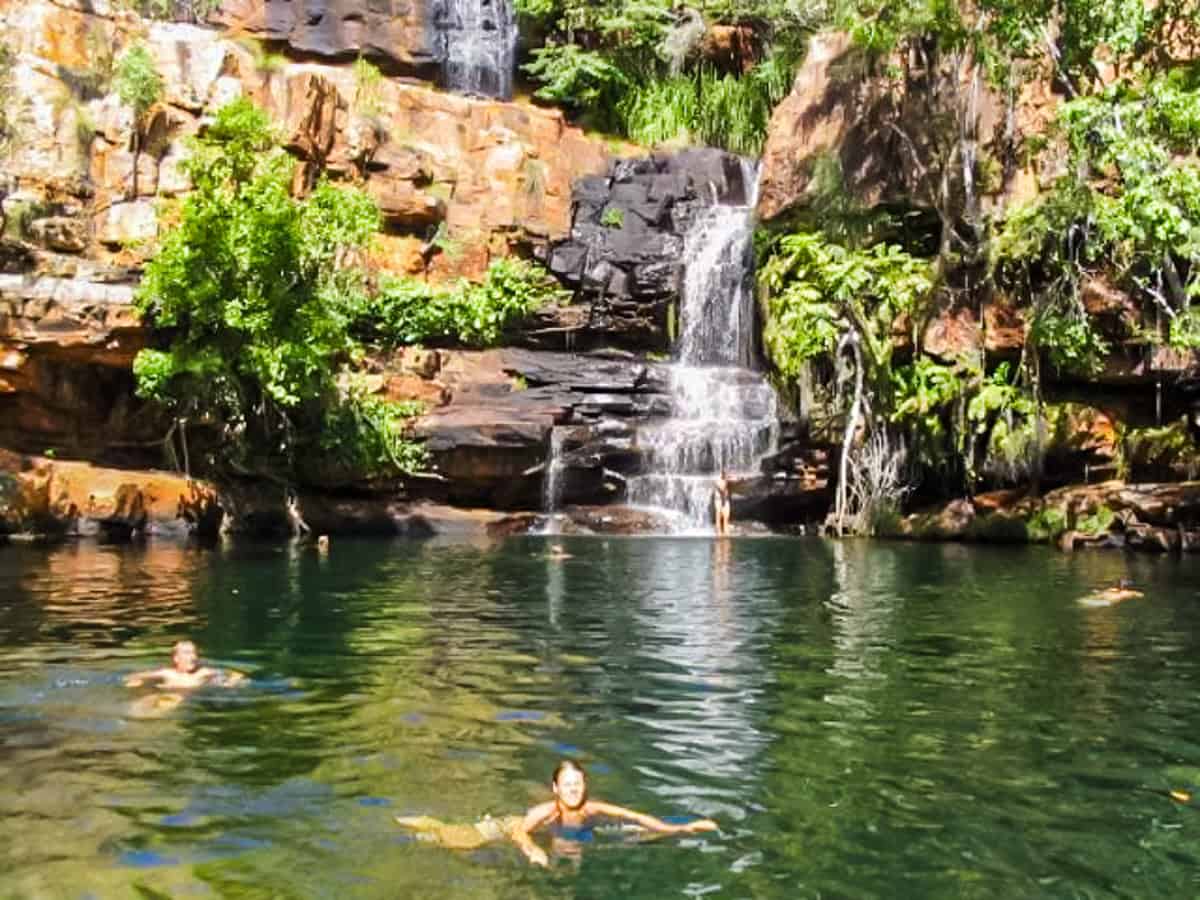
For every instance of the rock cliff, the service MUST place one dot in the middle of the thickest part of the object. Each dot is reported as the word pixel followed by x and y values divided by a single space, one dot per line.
pixel 81 210
pixel 459 181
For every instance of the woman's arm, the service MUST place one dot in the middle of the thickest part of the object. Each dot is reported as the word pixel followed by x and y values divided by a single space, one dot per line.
pixel 598 807
pixel 534 819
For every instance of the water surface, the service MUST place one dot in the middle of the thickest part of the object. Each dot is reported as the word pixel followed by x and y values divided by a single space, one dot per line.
pixel 864 720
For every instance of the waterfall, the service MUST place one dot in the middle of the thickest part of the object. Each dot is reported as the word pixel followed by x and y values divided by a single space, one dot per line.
pixel 552 479
pixel 480 47
pixel 723 412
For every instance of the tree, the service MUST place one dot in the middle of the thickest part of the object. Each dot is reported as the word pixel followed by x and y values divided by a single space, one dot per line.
pixel 827 299
pixel 139 85
pixel 254 293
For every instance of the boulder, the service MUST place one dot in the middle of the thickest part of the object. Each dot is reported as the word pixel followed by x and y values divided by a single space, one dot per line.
pixel 66 234
pixel 126 224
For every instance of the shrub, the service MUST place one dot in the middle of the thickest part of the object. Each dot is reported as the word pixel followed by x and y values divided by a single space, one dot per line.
pixel 256 305
pixel 137 81
pixel 408 311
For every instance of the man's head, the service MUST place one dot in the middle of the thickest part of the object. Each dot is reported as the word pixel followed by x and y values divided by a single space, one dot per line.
pixel 184 658
pixel 570 784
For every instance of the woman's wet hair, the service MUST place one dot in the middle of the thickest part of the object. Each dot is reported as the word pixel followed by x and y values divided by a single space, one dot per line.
pixel 563 766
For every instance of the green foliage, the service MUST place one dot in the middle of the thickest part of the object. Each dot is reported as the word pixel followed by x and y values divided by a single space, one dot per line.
pixel 365 434
pixel 257 306
pixel 577 78
pixel 1130 205
pixel 368 88
pixel 137 81
pixel 613 217
pixel 1097 522
pixel 1069 337
pixel 659 111
pixel 817 290
pixel 186 10
pixel 8 101
pixel 536 9
pixel 627 66
pixel 1046 525
pixel 1005 430
pixel 1170 446
pixel 705 107
pixel 1006 35
pixel 248 276
pixel 408 311
pixel 926 395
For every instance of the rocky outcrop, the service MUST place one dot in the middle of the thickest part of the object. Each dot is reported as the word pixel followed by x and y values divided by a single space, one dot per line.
pixel 886 129
pixel 399 35
pixel 1151 517
pixel 66 347
pixel 82 210
pixel 487 177
pixel 490 442
pixel 55 498
pixel 625 253
pixel 512 415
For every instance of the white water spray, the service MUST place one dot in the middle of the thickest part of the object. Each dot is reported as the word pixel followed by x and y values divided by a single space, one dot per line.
pixel 724 412
pixel 481 45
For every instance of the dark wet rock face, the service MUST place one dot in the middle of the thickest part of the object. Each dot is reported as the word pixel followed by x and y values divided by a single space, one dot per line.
pixel 518 418
pixel 624 255
pixel 490 443
pixel 398 35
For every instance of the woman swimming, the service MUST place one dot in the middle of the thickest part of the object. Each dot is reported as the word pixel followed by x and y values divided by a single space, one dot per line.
pixel 572 809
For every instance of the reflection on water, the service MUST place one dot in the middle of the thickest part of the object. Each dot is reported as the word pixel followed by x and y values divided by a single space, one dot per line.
pixel 864 720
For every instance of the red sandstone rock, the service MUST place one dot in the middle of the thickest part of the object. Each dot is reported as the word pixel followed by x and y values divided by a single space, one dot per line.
pixel 880 129
pixel 54 496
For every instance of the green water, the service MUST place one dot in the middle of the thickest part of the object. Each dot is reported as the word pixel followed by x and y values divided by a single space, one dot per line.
pixel 863 720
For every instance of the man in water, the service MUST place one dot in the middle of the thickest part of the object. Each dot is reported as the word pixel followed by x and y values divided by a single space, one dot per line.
pixel 721 503
pixel 1121 591
pixel 185 672
pixel 570 809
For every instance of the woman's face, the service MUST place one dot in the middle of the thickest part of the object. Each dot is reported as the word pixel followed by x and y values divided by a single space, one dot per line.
pixel 571 788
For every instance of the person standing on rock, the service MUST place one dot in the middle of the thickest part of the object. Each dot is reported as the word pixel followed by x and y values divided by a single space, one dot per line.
pixel 721 503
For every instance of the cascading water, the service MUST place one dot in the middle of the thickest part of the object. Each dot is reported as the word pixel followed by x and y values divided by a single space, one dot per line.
pixel 480 46
pixel 552 480
pixel 724 413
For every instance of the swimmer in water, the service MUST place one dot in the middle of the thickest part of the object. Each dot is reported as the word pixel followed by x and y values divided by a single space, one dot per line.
pixel 557 551
pixel 1123 590
pixel 185 672
pixel 571 808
